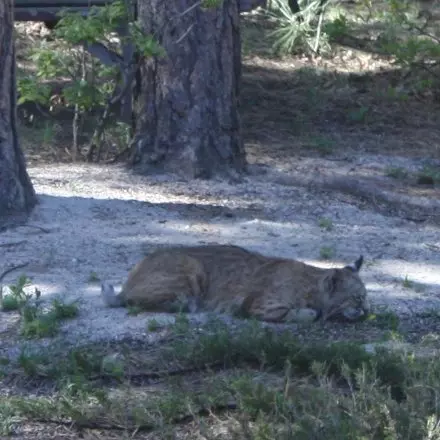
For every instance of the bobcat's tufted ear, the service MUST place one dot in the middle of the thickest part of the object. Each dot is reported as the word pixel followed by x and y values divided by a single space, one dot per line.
pixel 355 267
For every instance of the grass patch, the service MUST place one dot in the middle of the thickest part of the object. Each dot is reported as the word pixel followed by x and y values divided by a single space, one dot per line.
pixel 397 173
pixel 385 320
pixel 325 223
pixel 267 385
pixel 407 283
pixel 429 175
pixel 35 322
pixel 134 310
pixel 326 253
pixel 93 277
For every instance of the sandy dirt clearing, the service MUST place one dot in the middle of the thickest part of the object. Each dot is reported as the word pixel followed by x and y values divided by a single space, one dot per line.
pixel 103 219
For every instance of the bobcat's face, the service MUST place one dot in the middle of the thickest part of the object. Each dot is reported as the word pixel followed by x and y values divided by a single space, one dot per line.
pixel 346 294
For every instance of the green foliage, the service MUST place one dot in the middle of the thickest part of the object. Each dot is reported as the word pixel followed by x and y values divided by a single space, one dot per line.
pixel 208 4
pixel 272 385
pixel 35 322
pixel 61 310
pixel 359 114
pixel 134 310
pixel 10 302
pixel 408 34
pixel 153 325
pixel 397 173
pixel 326 252
pixel 407 283
pixel 31 91
pixel 93 277
pixel 40 324
pixel 181 324
pixel 17 298
pixel 430 173
pixel 301 31
pixel 386 320
pixel 337 28
pixel 325 223
pixel 90 83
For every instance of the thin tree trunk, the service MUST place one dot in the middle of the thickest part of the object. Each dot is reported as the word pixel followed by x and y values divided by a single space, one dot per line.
pixel 16 191
pixel 189 121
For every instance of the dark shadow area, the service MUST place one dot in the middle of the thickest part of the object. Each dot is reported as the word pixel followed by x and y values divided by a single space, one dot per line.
pixel 281 106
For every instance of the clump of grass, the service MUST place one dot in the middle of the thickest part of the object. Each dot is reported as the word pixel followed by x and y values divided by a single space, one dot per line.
pixel 407 283
pixel 385 320
pixel 397 173
pixel 280 387
pixel 358 115
pixel 325 223
pixel 153 325
pixel 326 252
pixel 134 310
pixel 322 145
pixel 93 277
pixel 181 324
pixel 18 297
pixel 431 174
pixel 36 323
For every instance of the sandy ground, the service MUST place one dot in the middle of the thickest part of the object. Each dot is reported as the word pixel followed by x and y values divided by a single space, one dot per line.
pixel 102 219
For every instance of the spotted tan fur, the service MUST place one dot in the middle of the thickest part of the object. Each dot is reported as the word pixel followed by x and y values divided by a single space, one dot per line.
pixel 230 279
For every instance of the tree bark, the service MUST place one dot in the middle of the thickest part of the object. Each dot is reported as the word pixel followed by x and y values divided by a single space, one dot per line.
pixel 189 118
pixel 16 191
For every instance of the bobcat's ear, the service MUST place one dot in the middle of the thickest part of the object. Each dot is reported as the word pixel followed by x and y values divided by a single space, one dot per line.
pixel 356 266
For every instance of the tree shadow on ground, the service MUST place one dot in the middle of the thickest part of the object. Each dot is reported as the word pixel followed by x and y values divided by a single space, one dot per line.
pixel 349 110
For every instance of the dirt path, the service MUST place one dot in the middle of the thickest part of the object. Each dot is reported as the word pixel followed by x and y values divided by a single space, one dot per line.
pixel 102 219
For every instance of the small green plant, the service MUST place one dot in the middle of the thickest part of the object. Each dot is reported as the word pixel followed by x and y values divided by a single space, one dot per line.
pixel 397 173
pixel 17 298
pixel 385 320
pixel 93 277
pixel 40 327
pixel 31 363
pixel 134 310
pixel 326 252
pixel 337 28
pixel 430 174
pixel 359 114
pixel 36 323
pixel 325 223
pixel 61 310
pixel 113 365
pixel 322 145
pixel 153 325
pixel 10 303
pixel 41 324
pixel 90 84
pixel 181 324
pixel 300 31
pixel 407 283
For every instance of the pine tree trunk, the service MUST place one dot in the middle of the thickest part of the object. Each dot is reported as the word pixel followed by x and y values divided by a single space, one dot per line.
pixel 188 122
pixel 16 191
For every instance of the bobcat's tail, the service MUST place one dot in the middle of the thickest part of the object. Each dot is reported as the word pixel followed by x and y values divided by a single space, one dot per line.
pixel 110 298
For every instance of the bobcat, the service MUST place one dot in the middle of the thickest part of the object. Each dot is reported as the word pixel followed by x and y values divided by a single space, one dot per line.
pixel 230 279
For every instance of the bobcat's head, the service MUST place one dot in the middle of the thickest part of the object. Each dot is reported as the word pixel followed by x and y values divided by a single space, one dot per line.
pixel 345 294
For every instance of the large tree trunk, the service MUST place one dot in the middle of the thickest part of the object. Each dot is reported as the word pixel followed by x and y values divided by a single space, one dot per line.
pixel 189 121
pixel 16 191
